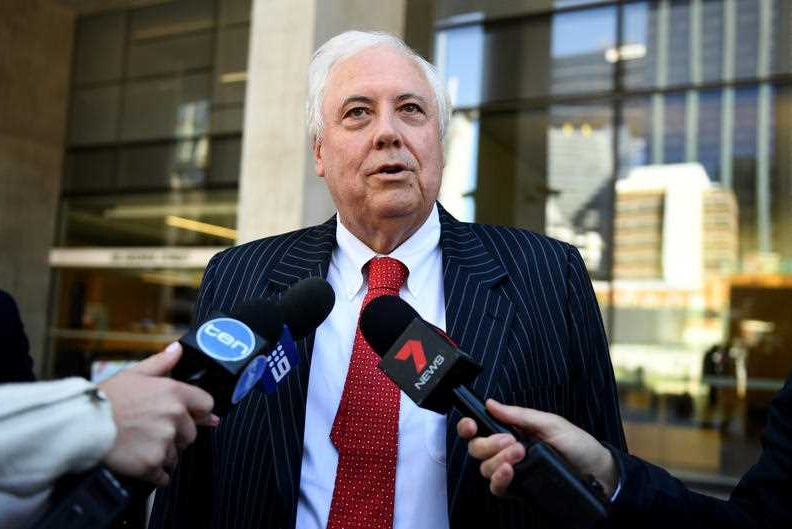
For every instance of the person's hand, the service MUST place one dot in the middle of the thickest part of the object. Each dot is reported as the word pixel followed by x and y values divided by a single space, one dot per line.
pixel 155 417
pixel 500 452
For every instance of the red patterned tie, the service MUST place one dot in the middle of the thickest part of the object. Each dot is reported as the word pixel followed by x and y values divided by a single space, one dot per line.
pixel 366 425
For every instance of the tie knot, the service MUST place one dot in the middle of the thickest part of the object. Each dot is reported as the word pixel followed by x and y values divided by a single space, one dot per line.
pixel 386 273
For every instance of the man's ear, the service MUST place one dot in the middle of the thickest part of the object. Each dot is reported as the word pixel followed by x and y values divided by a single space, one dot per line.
pixel 317 155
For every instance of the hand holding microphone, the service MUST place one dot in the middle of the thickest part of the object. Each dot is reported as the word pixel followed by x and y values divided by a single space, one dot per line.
pixel 432 371
pixel 227 356
pixel 500 453
pixel 155 417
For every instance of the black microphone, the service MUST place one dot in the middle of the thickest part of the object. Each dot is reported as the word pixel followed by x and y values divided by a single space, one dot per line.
pixel 218 354
pixel 427 365
pixel 226 355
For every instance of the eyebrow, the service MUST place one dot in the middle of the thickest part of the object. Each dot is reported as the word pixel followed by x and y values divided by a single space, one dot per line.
pixel 368 100
pixel 404 97
pixel 356 99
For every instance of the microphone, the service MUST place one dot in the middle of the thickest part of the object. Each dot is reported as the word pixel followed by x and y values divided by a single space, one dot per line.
pixel 428 366
pixel 227 357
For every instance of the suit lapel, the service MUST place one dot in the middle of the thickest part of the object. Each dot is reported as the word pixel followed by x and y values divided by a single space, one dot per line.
pixel 478 317
pixel 308 257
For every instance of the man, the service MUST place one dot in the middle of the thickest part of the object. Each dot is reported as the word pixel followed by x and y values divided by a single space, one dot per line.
pixel 134 422
pixel 648 496
pixel 327 449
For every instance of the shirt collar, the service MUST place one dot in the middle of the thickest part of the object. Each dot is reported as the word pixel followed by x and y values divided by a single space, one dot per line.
pixel 352 254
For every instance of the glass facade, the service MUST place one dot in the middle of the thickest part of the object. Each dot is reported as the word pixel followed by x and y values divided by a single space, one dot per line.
pixel 151 174
pixel 655 137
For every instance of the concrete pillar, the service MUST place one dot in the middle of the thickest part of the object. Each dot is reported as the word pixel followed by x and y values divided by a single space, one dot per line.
pixel 35 61
pixel 279 190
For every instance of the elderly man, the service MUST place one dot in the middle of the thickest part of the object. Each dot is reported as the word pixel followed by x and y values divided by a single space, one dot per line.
pixel 338 445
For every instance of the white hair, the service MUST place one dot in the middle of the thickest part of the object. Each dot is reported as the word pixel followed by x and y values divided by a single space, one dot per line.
pixel 350 43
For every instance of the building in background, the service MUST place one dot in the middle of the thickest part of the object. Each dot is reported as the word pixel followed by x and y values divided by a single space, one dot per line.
pixel 139 137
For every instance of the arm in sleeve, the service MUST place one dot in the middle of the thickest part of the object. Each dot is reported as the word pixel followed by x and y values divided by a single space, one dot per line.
pixel 595 404
pixel 652 498
pixel 765 491
pixel 48 429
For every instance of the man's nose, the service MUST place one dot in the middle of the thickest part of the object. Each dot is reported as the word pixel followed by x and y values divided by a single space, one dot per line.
pixel 387 133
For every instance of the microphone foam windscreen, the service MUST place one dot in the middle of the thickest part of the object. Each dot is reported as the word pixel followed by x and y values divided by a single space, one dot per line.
pixel 383 320
pixel 306 305
pixel 262 316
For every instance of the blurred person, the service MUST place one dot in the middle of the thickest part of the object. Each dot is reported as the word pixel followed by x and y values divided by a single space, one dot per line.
pixel 338 445
pixel 16 365
pixel 643 494
pixel 135 423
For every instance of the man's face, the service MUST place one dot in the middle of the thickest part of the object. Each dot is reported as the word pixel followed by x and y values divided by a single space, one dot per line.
pixel 380 151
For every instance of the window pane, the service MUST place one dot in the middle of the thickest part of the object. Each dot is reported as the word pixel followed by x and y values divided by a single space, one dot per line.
pixel 675 128
pixel 550 171
pixel 226 160
pixel 94 115
pixel 709 132
pixel 99 48
pixel 747 42
pixel 231 65
pixel 227 119
pixel 712 40
pixel 234 11
pixel 171 19
pixel 166 108
pixel 180 165
pixel 563 54
pixel 782 39
pixel 679 29
pixel 640 36
pixel 90 170
pixel 194 218
pixel 107 316
pixel 483 9
pixel 172 55
pixel 781 178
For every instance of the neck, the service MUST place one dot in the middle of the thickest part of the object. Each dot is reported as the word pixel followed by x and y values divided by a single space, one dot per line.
pixel 386 235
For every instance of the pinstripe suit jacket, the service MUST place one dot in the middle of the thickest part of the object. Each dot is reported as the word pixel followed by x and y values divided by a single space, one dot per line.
pixel 520 303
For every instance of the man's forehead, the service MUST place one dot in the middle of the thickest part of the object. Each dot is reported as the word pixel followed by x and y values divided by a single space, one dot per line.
pixel 374 70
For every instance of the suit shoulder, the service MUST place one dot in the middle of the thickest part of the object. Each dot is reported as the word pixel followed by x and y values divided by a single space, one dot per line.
pixel 507 236
pixel 271 247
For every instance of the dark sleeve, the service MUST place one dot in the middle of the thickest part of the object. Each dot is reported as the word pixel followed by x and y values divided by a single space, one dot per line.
pixel 651 498
pixel 765 491
pixel 16 365
pixel 595 402
pixel 188 500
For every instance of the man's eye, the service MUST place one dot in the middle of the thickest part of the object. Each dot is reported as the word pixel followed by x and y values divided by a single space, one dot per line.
pixel 357 112
pixel 411 108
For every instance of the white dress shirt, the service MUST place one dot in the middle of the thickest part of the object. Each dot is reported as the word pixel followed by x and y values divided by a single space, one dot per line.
pixel 420 499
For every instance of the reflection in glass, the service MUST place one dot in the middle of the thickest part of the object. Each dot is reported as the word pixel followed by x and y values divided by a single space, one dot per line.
pixel 566 53
pixel 94 115
pixel 166 108
pixel 172 55
pixel 99 47
pixel 460 62
pixel 118 315
pixel 460 171
pixel 194 218
pixel 549 171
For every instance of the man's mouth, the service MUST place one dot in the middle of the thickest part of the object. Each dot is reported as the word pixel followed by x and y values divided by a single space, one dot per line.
pixel 391 168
